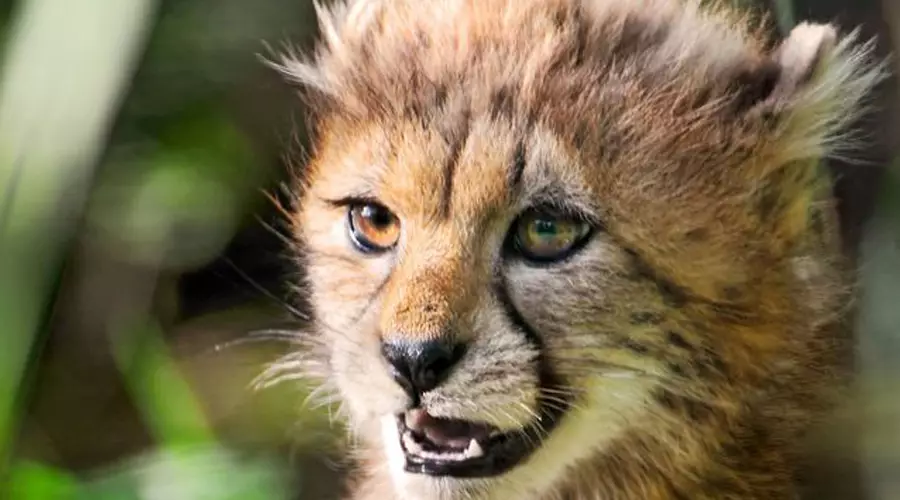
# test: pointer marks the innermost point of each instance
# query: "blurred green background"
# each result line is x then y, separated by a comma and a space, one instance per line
140, 250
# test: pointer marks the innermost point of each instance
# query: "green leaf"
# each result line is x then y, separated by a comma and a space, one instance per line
35, 481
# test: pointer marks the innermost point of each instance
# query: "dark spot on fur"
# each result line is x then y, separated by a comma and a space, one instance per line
732, 314
697, 410
518, 166
440, 96
502, 102
677, 494
580, 135
580, 49
640, 269
559, 19
769, 118
703, 370
732, 293
582, 36
768, 201
633, 346
646, 318
710, 366
716, 363
698, 234
666, 399
618, 482
677, 340
672, 295
677, 369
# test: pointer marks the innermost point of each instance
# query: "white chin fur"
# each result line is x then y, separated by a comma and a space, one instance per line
396, 459
417, 486
576, 438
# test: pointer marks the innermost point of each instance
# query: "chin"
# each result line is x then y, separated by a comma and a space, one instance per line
433, 457
451, 459
417, 474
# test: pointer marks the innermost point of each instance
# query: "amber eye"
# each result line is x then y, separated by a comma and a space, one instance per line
544, 237
373, 228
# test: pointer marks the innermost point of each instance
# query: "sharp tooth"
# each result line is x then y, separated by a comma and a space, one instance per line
474, 450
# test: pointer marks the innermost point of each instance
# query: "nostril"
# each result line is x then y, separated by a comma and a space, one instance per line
421, 366
437, 359
398, 359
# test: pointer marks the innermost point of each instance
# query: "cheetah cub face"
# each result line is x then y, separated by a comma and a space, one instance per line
568, 246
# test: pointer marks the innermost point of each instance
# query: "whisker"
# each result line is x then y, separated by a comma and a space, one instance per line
560, 404
258, 337
528, 410
560, 407
283, 238
261, 289
565, 391
279, 206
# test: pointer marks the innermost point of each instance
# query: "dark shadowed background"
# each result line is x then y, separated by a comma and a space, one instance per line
141, 256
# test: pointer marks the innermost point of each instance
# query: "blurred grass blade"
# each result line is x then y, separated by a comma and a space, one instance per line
63, 75
879, 341
33, 481
166, 402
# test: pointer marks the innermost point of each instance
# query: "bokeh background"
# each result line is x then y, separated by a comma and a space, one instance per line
143, 267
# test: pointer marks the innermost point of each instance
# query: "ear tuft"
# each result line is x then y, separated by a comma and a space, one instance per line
824, 82
799, 57
343, 24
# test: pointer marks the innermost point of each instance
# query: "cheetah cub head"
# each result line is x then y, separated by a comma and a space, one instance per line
556, 246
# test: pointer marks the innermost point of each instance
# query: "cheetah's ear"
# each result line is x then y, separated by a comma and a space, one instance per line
321, 75
799, 58
817, 86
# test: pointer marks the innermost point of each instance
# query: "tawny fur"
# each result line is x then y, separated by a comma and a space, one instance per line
697, 337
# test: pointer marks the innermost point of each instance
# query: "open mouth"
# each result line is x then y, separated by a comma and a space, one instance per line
460, 448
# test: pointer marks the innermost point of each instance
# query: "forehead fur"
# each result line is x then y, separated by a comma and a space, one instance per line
405, 56
561, 60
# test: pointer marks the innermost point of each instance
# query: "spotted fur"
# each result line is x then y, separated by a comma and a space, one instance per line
692, 342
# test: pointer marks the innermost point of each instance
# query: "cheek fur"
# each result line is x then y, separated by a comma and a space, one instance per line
346, 294
596, 318
344, 283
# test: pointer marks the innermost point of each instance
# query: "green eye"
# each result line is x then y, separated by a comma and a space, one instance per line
543, 237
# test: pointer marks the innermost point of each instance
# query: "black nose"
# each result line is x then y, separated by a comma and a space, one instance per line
421, 366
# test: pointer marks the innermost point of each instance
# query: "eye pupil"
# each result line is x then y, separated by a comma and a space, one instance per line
372, 227
545, 227
377, 216
546, 238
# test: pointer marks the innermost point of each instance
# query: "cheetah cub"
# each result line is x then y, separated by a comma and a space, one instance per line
572, 249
